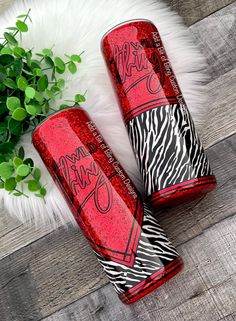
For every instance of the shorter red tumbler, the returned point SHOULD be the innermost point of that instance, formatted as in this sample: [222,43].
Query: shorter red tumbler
[127,240]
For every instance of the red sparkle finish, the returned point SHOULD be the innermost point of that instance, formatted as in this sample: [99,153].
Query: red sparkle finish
[153,282]
[143,79]
[183,192]
[85,169]
[101,196]
[137,69]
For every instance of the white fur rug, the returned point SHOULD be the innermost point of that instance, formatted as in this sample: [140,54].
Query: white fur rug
[76,25]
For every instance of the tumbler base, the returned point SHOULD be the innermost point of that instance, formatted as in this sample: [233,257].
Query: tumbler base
[152,282]
[183,192]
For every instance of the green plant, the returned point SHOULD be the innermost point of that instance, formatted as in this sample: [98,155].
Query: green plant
[29,83]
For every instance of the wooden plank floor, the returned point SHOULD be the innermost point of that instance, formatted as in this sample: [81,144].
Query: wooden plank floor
[54,276]
[195,10]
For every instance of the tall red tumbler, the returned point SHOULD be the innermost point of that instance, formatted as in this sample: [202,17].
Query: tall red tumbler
[168,150]
[127,240]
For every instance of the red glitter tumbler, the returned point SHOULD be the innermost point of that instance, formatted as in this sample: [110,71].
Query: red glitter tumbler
[127,240]
[169,153]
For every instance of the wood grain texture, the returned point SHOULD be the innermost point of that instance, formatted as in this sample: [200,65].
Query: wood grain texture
[56,266]
[204,291]
[215,36]
[195,10]
[60,268]
[14,235]
[7,225]
[221,119]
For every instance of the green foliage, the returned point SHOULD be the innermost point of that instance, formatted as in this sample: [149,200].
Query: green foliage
[16,170]
[29,83]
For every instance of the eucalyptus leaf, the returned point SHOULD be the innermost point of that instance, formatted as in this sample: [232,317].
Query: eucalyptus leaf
[31,109]
[6,51]
[42,83]
[12,28]
[30,92]
[17,193]
[59,63]
[6,170]
[17,67]
[28,56]
[75,58]
[21,152]
[23,170]
[10,83]
[37,174]
[46,107]
[35,63]
[13,103]
[79,98]
[22,16]
[15,127]
[6,59]
[38,72]
[39,97]
[19,178]
[47,52]
[22,26]
[72,67]
[49,93]
[19,114]
[29,162]
[43,191]
[49,61]
[59,71]
[10,38]
[18,52]
[33,186]
[22,83]
[54,89]
[10,184]
[17,161]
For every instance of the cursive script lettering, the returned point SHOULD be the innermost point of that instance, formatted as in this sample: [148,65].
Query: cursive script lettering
[80,179]
[131,58]
[126,62]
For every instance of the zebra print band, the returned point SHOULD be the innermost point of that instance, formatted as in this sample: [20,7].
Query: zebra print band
[156,260]
[169,152]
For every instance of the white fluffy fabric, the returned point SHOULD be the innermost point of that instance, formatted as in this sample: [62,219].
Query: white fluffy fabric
[72,26]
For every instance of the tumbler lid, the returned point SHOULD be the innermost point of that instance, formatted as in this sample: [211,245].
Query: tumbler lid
[125,23]
[53,114]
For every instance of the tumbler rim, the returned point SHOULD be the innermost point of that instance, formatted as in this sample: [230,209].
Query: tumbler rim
[124,23]
[51,115]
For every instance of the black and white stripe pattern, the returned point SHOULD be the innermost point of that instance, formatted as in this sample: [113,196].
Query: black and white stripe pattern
[153,253]
[167,147]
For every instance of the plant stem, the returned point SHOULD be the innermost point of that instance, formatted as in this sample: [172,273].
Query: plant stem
[17,31]
[22,193]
